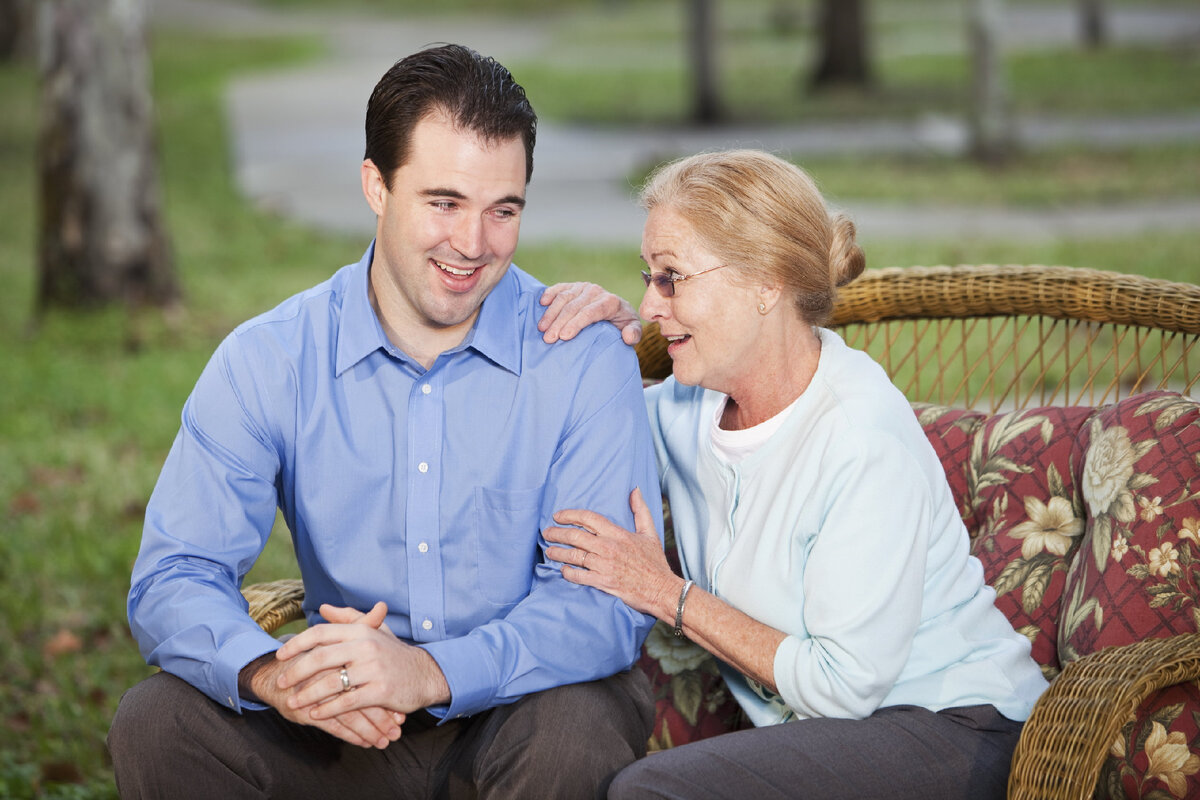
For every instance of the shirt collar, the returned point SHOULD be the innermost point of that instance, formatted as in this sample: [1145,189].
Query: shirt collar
[359,331]
[495,335]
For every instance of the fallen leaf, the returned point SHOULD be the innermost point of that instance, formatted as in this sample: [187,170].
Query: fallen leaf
[61,643]
[25,502]
[61,772]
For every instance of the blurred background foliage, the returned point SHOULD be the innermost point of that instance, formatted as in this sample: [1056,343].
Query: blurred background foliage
[90,401]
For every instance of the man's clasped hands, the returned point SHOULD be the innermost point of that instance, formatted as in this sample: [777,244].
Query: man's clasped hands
[385,678]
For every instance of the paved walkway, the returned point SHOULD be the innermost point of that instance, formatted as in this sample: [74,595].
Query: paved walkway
[297,134]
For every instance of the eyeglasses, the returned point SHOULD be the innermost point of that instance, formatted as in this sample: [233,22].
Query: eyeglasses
[665,283]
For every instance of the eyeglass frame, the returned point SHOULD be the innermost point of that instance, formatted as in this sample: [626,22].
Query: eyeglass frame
[664,283]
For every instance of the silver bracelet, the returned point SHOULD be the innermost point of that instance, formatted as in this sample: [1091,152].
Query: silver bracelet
[687,585]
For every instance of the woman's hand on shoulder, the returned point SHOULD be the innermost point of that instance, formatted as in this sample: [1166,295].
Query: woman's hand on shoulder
[571,307]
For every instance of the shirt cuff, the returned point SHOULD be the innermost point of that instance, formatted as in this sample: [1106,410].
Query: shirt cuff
[470,672]
[236,654]
[784,669]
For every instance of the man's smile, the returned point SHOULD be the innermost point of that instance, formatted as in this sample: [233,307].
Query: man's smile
[455,271]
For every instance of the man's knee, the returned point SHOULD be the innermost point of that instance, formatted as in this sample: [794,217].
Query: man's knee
[619,708]
[571,739]
[157,737]
[147,717]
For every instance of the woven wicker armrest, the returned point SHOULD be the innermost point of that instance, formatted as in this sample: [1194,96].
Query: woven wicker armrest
[1075,722]
[275,604]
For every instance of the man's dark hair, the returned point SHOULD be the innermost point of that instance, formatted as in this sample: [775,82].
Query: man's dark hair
[477,93]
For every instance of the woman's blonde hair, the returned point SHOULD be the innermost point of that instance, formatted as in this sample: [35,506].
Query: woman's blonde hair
[765,216]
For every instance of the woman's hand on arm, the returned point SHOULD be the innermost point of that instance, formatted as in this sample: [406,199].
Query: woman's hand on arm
[630,565]
[571,307]
[633,567]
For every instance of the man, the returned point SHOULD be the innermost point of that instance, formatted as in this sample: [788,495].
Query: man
[417,433]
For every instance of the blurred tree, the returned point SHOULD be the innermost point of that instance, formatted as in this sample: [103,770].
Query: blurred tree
[1093,23]
[843,52]
[991,134]
[702,45]
[16,29]
[102,238]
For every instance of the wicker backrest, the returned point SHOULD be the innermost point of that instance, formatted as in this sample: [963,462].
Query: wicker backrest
[1003,337]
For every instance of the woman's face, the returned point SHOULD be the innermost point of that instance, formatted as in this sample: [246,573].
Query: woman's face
[711,323]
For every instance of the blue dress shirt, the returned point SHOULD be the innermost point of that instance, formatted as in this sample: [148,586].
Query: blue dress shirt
[427,489]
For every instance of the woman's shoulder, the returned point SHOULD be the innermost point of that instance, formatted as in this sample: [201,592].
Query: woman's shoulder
[858,385]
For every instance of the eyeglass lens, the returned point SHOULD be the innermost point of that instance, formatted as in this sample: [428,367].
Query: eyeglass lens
[662,282]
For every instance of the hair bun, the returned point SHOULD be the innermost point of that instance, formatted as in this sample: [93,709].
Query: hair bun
[846,259]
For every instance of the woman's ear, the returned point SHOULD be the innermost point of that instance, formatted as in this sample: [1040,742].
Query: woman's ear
[373,186]
[768,297]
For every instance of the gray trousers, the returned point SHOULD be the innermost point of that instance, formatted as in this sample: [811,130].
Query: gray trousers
[168,740]
[898,753]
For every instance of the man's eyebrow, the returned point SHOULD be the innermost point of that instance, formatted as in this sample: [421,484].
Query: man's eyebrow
[454,194]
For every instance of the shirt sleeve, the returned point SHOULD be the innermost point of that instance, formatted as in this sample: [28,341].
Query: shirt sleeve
[863,582]
[561,632]
[207,521]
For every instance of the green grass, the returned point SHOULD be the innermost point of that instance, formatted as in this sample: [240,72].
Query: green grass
[90,402]
[769,89]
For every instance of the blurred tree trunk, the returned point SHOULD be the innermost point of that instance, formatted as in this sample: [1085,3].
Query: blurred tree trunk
[102,238]
[991,134]
[1093,23]
[843,53]
[702,45]
[16,29]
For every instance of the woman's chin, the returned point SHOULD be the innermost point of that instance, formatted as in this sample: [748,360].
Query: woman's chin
[684,375]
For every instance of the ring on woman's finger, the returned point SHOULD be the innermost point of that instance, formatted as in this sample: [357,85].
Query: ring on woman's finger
[585,558]
[345,676]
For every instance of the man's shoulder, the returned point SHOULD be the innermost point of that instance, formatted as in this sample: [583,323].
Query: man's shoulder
[311,306]
[597,336]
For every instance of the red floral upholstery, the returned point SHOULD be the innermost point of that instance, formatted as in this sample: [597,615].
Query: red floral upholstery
[1138,576]
[952,432]
[1157,755]
[1021,505]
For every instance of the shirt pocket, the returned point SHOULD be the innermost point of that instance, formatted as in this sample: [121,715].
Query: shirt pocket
[506,542]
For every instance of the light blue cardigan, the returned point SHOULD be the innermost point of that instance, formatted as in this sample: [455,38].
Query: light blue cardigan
[842,532]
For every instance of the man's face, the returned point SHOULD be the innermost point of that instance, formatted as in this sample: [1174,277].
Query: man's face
[447,230]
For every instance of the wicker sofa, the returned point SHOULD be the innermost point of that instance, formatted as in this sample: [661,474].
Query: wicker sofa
[1059,400]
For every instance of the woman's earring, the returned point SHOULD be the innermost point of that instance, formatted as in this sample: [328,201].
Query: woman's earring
[762,308]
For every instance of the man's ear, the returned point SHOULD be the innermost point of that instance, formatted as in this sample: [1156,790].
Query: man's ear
[374,189]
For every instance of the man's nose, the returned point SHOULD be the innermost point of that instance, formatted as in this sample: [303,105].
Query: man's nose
[467,238]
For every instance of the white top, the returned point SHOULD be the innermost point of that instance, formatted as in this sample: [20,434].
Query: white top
[842,532]
[734,446]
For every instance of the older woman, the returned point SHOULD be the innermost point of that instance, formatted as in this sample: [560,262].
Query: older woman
[824,562]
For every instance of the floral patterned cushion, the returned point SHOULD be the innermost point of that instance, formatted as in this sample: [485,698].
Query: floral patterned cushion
[1137,576]
[1157,753]
[952,431]
[691,701]
[1027,505]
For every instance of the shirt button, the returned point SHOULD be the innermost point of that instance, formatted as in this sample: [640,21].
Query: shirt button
[426,389]
[423,547]
[427,625]
[423,467]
